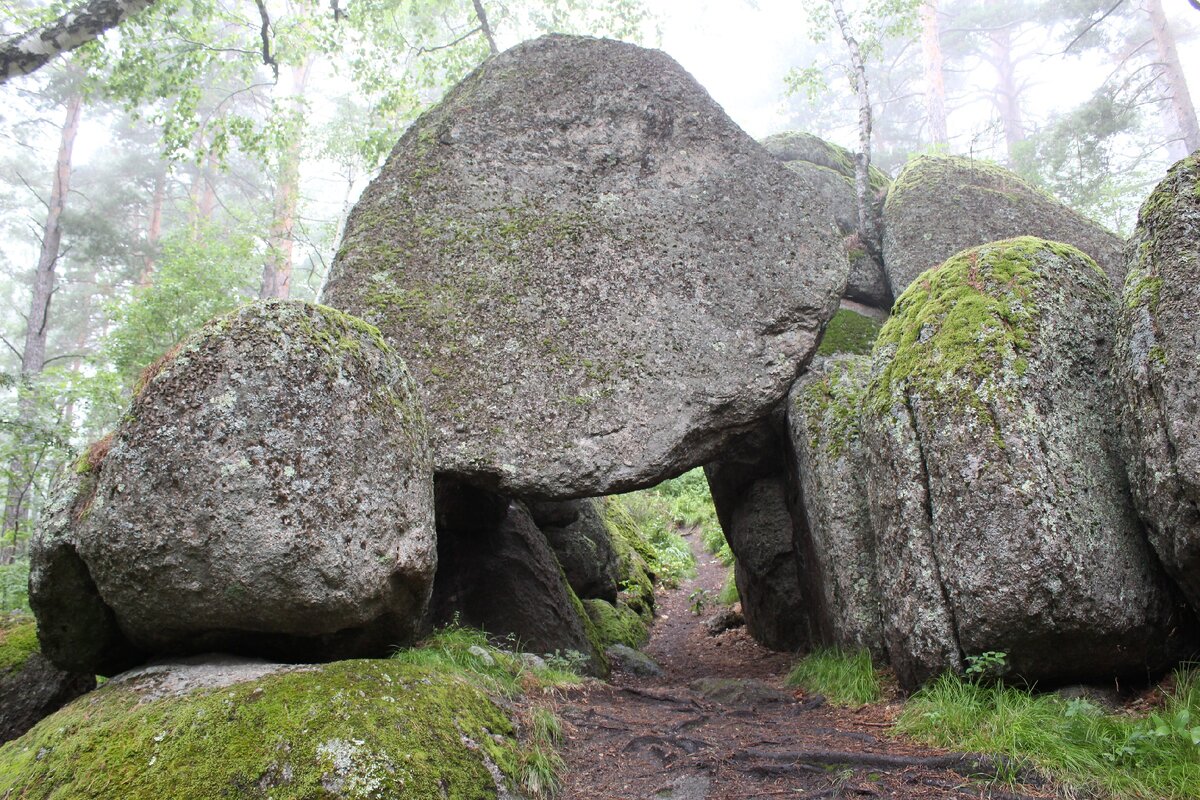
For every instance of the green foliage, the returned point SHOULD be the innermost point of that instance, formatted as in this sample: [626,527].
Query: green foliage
[644,522]
[198,277]
[844,678]
[989,665]
[697,600]
[18,639]
[14,585]
[1087,749]
[691,505]
[729,589]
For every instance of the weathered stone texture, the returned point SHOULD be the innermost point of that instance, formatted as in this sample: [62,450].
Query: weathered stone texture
[575,531]
[596,276]
[940,205]
[1002,517]
[1158,355]
[269,492]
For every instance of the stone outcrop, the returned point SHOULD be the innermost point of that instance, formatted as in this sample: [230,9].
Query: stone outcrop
[497,572]
[269,492]
[595,274]
[1158,356]
[824,421]
[237,728]
[576,532]
[827,171]
[31,688]
[940,205]
[996,490]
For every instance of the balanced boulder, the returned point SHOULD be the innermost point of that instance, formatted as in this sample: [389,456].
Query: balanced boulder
[596,276]
[268,492]
[940,205]
[1159,364]
[1002,518]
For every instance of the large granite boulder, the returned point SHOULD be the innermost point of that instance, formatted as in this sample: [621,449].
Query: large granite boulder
[751,485]
[497,572]
[30,686]
[940,205]
[576,532]
[824,422]
[1158,356]
[827,171]
[268,492]
[1002,517]
[596,276]
[207,728]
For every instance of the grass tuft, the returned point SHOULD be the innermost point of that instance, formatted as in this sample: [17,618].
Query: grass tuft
[1090,751]
[844,678]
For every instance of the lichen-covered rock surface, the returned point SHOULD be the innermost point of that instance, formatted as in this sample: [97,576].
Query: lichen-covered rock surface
[1002,519]
[30,686]
[596,276]
[799,146]
[1159,363]
[824,422]
[940,205]
[269,492]
[347,730]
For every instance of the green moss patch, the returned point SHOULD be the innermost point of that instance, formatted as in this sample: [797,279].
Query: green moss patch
[849,332]
[831,407]
[353,729]
[18,639]
[964,330]
[617,624]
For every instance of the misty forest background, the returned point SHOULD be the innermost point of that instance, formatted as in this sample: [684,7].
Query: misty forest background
[207,152]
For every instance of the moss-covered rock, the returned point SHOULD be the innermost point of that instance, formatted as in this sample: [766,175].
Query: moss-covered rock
[1158,357]
[824,420]
[617,624]
[352,729]
[582,325]
[1001,517]
[269,492]
[30,686]
[801,146]
[940,205]
[849,332]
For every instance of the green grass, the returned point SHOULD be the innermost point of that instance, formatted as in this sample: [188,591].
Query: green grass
[729,590]
[690,504]
[1085,748]
[646,521]
[844,678]
[541,765]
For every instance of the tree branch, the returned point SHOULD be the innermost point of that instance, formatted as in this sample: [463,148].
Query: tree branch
[265,33]
[29,51]
[1091,25]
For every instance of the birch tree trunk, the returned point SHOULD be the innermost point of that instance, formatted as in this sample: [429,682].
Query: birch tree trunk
[33,355]
[862,159]
[26,52]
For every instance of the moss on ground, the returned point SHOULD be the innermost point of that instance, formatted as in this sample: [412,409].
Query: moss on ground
[18,639]
[964,330]
[617,624]
[849,332]
[353,729]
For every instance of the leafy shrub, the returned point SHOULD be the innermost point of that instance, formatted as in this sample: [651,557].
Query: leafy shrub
[14,586]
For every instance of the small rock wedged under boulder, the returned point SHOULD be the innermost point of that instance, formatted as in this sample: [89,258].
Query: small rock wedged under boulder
[595,274]
[269,492]
[1001,517]
[940,205]
[1159,363]
[497,572]
[576,533]
[750,486]
[31,688]
[824,411]
[230,728]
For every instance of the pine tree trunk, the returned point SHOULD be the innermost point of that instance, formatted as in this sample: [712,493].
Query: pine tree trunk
[935,82]
[277,268]
[1006,95]
[153,226]
[1172,74]
[33,356]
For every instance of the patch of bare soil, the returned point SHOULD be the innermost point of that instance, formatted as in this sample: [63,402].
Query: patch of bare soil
[684,737]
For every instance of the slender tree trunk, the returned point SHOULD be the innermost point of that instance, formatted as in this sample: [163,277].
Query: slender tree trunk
[277,268]
[1172,74]
[862,159]
[485,26]
[1006,96]
[33,355]
[153,226]
[935,81]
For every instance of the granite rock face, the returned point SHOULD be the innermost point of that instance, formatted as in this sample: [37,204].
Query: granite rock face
[497,572]
[269,492]
[594,274]
[1158,357]
[996,491]
[576,532]
[940,205]
[824,413]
